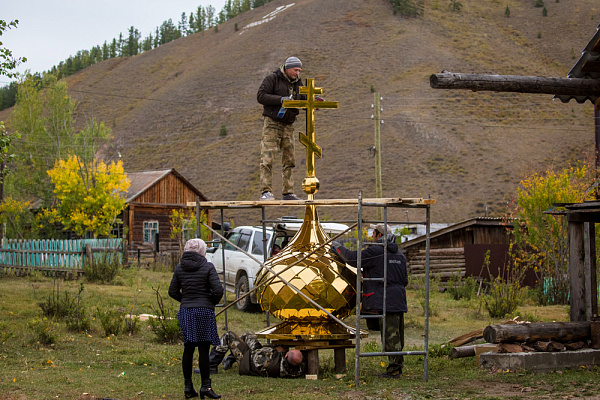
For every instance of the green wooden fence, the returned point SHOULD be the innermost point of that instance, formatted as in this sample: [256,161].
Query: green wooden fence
[54,255]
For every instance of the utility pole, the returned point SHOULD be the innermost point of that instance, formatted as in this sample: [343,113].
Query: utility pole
[377,117]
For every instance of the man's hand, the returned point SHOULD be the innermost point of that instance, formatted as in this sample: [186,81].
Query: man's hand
[335,246]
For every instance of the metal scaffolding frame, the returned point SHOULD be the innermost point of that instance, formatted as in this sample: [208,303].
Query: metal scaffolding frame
[385,203]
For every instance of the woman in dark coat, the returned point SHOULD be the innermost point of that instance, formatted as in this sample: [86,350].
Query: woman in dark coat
[197,287]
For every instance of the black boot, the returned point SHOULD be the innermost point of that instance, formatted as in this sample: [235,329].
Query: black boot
[206,390]
[189,389]
[214,359]
[228,362]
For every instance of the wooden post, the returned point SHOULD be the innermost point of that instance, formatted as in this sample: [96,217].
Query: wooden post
[313,362]
[130,225]
[339,357]
[591,285]
[595,334]
[377,117]
[597,143]
[88,253]
[577,270]
[125,253]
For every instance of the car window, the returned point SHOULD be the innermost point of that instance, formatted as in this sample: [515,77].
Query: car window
[233,238]
[257,243]
[244,240]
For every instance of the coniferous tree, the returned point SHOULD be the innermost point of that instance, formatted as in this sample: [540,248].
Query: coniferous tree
[105,51]
[183,25]
[210,16]
[200,20]
[147,43]
[113,48]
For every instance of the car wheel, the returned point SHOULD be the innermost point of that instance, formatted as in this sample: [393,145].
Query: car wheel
[241,288]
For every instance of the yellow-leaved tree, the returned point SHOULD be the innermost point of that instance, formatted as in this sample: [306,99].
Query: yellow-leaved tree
[90,198]
[543,236]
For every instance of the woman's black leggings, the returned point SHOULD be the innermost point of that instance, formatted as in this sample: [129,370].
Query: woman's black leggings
[188,359]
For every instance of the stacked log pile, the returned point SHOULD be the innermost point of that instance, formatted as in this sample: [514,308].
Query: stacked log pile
[519,337]
[443,263]
[542,336]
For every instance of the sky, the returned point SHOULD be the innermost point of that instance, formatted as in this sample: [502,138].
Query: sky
[49,31]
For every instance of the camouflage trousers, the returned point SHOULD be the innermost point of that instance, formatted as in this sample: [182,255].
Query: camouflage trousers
[277,137]
[231,341]
[394,339]
[262,357]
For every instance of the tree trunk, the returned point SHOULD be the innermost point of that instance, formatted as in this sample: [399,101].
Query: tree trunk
[544,331]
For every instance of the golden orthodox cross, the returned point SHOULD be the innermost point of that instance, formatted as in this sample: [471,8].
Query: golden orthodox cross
[310,185]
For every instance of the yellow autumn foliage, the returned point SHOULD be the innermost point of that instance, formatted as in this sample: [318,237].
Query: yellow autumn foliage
[90,198]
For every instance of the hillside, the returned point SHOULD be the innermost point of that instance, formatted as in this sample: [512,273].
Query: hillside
[466,150]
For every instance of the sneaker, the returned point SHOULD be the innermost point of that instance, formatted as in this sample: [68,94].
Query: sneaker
[393,375]
[267,196]
[290,196]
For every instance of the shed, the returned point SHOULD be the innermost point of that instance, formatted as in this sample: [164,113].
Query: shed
[461,248]
[151,198]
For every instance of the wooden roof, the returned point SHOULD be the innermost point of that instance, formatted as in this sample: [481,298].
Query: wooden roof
[587,67]
[480,221]
[140,182]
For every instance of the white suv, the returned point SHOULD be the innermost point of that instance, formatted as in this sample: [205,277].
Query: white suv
[240,270]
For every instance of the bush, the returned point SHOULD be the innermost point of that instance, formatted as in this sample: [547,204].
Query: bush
[63,306]
[505,290]
[440,350]
[165,325]
[44,330]
[462,288]
[102,269]
[111,320]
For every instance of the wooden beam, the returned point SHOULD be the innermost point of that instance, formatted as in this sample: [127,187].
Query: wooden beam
[516,83]
[328,202]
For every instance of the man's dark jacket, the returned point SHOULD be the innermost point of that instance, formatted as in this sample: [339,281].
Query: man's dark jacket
[195,282]
[372,262]
[275,86]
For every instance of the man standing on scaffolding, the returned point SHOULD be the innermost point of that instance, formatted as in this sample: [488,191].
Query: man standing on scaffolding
[372,266]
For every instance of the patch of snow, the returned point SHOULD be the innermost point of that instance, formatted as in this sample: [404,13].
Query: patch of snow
[270,16]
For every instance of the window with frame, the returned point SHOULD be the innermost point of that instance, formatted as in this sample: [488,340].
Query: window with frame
[150,230]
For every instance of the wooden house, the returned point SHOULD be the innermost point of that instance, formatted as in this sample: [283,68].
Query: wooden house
[151,198]
[461,249]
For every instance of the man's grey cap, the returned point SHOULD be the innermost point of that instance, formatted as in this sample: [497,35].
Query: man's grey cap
[381,228]
[293,62]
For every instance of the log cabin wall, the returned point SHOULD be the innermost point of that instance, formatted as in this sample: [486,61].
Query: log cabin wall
[451,248]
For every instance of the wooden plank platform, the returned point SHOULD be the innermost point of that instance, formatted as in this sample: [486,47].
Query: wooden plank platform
[395,201]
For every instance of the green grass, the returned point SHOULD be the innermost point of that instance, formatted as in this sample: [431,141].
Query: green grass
[87,365]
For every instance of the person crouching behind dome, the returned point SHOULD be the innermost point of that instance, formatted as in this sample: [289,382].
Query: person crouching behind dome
[197,287]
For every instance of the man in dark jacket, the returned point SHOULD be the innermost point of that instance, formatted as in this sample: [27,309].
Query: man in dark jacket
[278,127]
[256,360]
[372,265]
